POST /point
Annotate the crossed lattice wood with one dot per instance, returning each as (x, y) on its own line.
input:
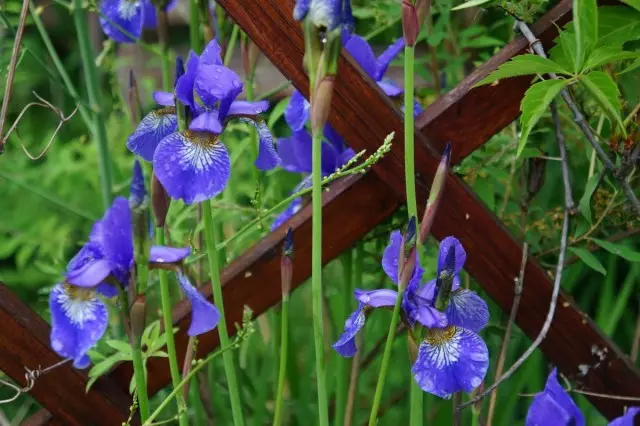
(467, 117)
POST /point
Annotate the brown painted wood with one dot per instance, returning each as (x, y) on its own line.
(25, 343)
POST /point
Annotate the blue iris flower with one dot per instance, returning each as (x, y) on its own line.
(79, 317)
(554, 407)
(326, 14)
(194, 165)
(128, 15)
(452, 357)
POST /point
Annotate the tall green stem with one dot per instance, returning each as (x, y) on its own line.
(139, 376)
(342, 374)
(165, 296)
(386, 357)
(214, 274)
(316, 279)
(163, 39)
(282, 372)
(194, 26)
(95, 100)
(409, 155)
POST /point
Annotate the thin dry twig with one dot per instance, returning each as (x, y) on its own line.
(580, 120)
(17, 43)
(45, 104)
(30, 377)
(566, 178)
(353, 384)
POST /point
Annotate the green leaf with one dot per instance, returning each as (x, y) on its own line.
(471, 3)
(277, 112)
(633, 3)
(606, 94)
(585, 19)
(618, 249)
(523, 65)
(535, 102)
(119, 345)
(589, 259)
(633, 66)
(585, 202)
(606, 55)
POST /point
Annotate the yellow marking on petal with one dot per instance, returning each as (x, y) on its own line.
(202, 139)
(165, 111)
(79, 293)
(441, 336)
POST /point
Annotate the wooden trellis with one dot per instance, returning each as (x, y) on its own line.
(465, 117)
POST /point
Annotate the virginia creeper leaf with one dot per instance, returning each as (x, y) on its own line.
(585, 19)
(606, 94)
(524, 65)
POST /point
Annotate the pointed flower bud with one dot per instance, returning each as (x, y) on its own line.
(138, 199)
(408, 254)
(179, 69)
(321, 104)
(137, 316)
(535, 175)
(410, 23)
(435, 195)
(286, 264)
(159, 201)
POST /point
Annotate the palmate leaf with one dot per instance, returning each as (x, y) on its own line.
(535, 102)
(633, 3)
(589, 259)
(606, 55)
(524, 65)
(606, 94)
(585, 14)
(633, 66)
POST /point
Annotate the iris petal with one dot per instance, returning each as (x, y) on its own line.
(163, 254)
(215, 83)
(288, 159)
(211, 54)
(117, 235)
(376, 298)
(248, 108)
(121, 14)
(360, 50)
(627, 419)
(267, 156)
(554, 406)
(154, 127)
(293, 208)
(460, 256)
(207, 121)
(390, 89)
(391, 255)
(204, 315)
(297, 112)
(385, 58)
(184, 84)
(164, 98)
(91, 274)
(78, 321)
(192, 166)
(346, 345)
(467, 310)
(450, 360)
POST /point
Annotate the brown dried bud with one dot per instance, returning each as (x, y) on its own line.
(412, 347)
(137, 316)
(321, 103)
(286, 263)
(410, 23)
(159, 201)
(535, 175)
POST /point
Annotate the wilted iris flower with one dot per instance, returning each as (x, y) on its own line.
(554, 407)
(325, 14)
(452, 357)
(128, 15)
(79, 317)
(194, 164)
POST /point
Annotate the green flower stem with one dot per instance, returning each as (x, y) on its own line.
(415, 393)
(343, 368)
(282, 372)
(163, 39)
(165, 297)
(214, 274)
(228, 54)
(316, 278)
(194, 26)
(95, 100)
(386, 357)
(409, 153)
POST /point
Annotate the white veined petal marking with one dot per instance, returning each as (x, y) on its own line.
(127, 9)
(442, 346)
(320, 11)
(79, 304)
(199, 150)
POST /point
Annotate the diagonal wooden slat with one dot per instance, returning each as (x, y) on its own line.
(25, 343)
(355, 205)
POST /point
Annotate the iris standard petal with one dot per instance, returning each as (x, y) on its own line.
(562, 398)
(385, 58)
(268, 158)
(107, 290)
(467, 310)
(627, 419)
(89, 267)
(459, 256)
(214, 83)
(150, 19)
(288, 158)
(204, 315)
(360, 50)
(449, 360)
(154, 127)
(376, 298)
(207, 121)
(117, 235)
(334, 138)
(164, 98)
(192, 166)
(293, 208)
(117, 15)
(78, 321)
(346, 343)
(390, 89)
(211, 54)
(164, 254)
(301, 9)
(248, 108)
(428, 316)
(391, 255)
(184, 84)
(297, 112)
(545, 411)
